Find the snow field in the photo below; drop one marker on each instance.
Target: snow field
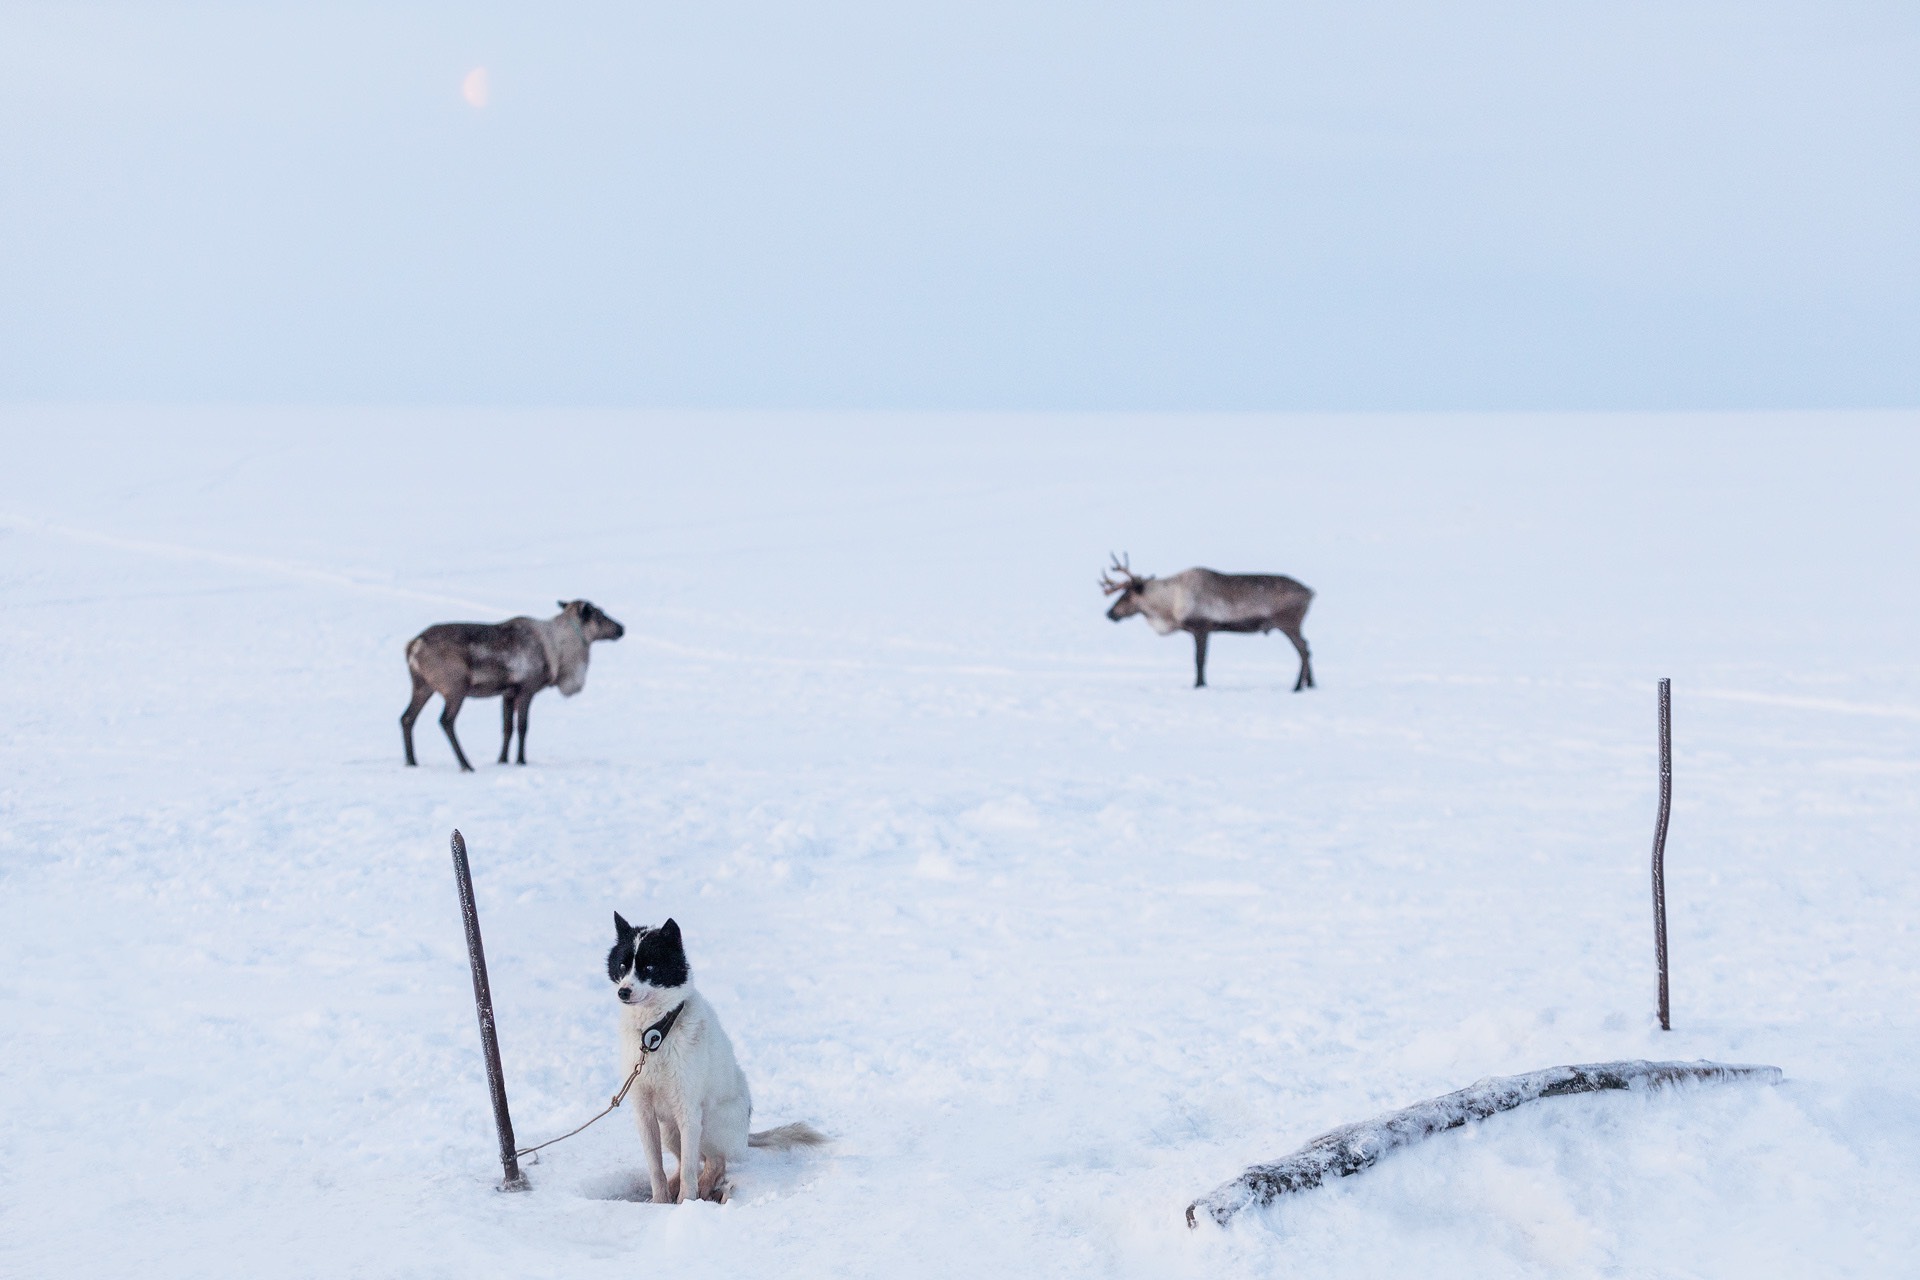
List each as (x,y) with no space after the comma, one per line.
(1050,942)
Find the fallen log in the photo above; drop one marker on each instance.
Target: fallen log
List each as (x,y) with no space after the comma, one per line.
(1351,1148)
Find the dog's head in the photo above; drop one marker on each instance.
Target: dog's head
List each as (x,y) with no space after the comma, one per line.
(646,964)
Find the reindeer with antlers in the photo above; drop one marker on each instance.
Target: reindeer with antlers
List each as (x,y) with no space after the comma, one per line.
(1202,602)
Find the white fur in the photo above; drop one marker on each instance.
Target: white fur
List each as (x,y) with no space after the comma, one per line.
(691,1097)
(567,653)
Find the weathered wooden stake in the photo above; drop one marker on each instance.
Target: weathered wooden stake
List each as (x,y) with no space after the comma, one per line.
(1660,847)
(483,1003)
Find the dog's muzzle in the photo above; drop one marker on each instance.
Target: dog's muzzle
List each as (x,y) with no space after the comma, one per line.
(626,995)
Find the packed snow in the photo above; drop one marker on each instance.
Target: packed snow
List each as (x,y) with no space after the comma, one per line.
(1050,942)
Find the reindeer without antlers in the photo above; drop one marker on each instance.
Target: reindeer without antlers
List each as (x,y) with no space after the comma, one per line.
(1202,602)
(511,660)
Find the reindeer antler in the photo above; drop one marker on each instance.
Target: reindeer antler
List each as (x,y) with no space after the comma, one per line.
(1123,566)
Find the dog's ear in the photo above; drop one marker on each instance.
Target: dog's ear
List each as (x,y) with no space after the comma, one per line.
(670,931)
(621,929)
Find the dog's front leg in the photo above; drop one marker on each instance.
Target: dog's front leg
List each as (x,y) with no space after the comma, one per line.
(650,1138)
(689,1170)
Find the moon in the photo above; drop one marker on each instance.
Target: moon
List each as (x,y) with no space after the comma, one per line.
(475,87)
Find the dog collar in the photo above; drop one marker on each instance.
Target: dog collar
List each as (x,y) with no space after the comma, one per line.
(654,1036)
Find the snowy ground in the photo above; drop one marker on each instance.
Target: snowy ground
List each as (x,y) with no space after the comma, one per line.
(1051,942)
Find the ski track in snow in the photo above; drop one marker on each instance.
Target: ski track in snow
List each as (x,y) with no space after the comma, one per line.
(1813,704)
(1050,943)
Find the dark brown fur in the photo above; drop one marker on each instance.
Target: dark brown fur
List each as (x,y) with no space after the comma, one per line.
(511,660)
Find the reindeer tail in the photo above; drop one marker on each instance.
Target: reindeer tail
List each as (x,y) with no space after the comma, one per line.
(789,1136)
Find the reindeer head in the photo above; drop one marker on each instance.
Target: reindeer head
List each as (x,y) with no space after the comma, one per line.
(1128,586)
(594,623)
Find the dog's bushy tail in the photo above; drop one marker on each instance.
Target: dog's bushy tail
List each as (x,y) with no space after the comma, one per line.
(788,1136)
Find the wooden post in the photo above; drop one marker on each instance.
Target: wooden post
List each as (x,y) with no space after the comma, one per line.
(1660,847)
(483,1003)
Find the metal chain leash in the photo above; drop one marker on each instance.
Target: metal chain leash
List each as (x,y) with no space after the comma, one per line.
(650,1041)
(612,1107)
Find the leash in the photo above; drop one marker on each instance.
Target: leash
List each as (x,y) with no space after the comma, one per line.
(650,1041)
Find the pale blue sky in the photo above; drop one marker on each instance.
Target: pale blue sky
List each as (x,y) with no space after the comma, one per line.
(1105,205)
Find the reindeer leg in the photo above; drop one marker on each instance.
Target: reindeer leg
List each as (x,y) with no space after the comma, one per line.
(421,692)
(448,714)
(523,704)
(1199,659)
(1306,660)
(506,721)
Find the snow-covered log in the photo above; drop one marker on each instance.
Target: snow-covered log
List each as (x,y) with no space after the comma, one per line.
(1351,1148)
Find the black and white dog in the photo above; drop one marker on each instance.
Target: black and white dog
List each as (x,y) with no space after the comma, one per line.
(691,1096)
